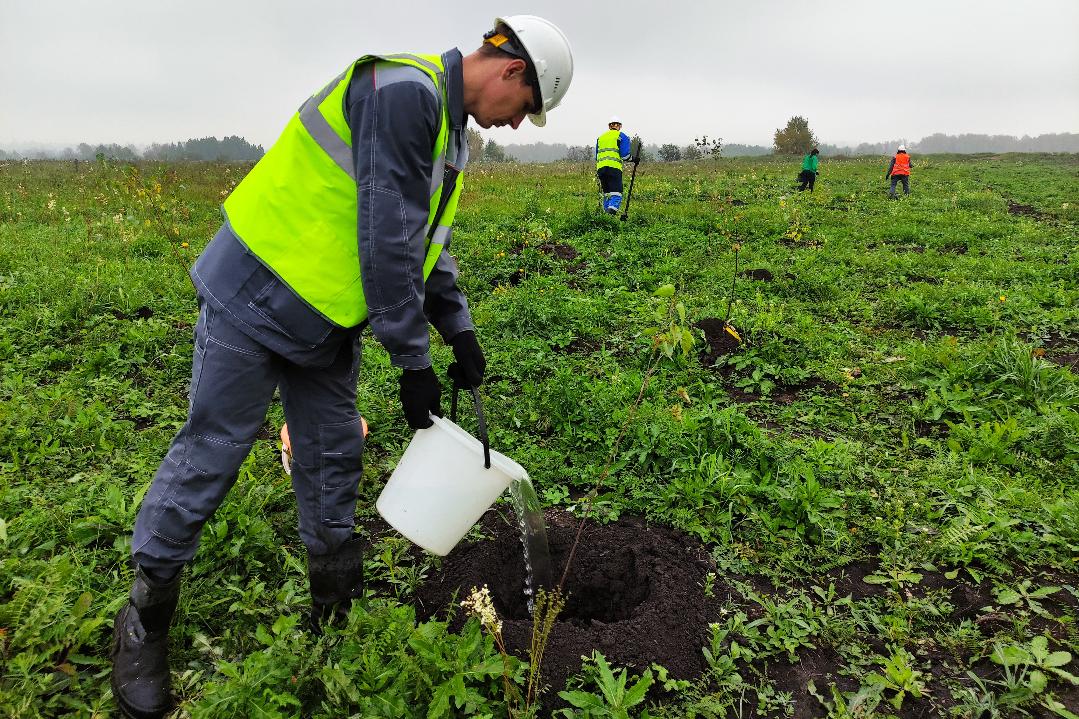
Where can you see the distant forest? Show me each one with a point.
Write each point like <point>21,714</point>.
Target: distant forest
<point>228,149</point>
<point>937,143</point>
<point>237,149</point>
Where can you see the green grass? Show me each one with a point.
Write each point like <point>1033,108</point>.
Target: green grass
<point>898,404</point>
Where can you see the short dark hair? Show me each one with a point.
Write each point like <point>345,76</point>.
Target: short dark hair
<point>490,50</point>
<point>510,48</point>
<point>815,151</point>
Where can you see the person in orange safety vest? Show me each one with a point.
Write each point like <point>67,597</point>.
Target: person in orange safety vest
<point>899,171</point>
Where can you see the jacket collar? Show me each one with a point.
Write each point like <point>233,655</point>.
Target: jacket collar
<point>455,87</point>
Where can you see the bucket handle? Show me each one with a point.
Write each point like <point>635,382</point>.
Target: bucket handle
<point>479,417</point>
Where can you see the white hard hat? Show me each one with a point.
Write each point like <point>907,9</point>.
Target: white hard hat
<point>614,119</point>
<point>902,148</point>
<point>549,51</point>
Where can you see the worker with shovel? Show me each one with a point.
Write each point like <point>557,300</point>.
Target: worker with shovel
<point>365,176</point>
<point>612,148</point>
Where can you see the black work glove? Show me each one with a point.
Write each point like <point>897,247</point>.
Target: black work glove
<point>421,395</point>
<point>469,362</point>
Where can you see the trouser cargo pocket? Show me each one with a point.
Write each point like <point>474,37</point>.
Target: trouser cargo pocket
<point>340,469</point>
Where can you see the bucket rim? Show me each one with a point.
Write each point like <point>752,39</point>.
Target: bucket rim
<point>507,466</point>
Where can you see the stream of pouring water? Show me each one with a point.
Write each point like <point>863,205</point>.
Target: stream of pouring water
<point>533,538</point>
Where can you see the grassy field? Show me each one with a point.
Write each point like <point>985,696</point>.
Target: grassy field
<point>884,473</point>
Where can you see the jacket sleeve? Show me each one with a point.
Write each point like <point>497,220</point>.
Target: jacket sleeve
<point>394,127</point>
<point>623,145</point>
<point>890,167</point>
<point>445,304</point>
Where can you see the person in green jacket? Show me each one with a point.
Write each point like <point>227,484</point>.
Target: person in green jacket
<point>808,175</point>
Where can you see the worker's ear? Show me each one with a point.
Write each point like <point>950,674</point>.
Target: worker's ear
<point>514,69</point>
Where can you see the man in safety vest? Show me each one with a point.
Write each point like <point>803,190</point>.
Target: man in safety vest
<point>612,149</point>
<point>343,224</point>
<point>899,171</point>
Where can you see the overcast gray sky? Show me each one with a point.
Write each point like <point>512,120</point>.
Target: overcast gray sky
<point>164,70</point>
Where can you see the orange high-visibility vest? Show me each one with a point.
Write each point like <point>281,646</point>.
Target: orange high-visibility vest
<point>902,164</point>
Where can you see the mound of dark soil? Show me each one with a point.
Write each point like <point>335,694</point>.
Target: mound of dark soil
<point>559,250</point>
<point>1015,208</point>
<point>759,275</point>
<point>720,342</point>
<point>635,593</point>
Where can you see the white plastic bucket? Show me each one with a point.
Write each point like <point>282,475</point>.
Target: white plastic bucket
<point>440,488</point>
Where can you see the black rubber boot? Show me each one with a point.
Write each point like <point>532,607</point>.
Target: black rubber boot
<point>336,579</point>
<point>140,648</point>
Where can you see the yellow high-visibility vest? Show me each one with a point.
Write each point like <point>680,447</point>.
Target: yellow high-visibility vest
<point>607,154</point>
<point>297,208</point>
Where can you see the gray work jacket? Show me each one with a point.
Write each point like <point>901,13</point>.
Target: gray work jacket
<point>393,112</point>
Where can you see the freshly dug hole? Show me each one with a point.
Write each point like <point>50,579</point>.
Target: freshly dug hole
<point>720,343</point>
<point>635,593</point>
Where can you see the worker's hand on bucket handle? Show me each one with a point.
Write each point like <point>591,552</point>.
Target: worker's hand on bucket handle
<point>469,362</point>
<point>421,396</point>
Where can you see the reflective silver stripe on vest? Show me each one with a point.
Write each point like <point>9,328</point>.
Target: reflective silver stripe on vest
<point>339,151</point>
<point>325,137</point>
<point>437,173</point>
<point>322,94</point>
<point>416,59</point>
<point>388,73</point>
<point>319,128</point>
<point>442,233</point>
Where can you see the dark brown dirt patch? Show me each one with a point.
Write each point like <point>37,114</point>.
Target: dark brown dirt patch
<point>788,394</point>
<point>1050,339</point>
<point>849,579</point>
<point>580,346</point>
<point>953,249</point>
<point>720,342</point>
<point>759,275</point>
<point>559,250</point>
<point>1071,361</point>
<point>635,594</point>
<point>924,278</point>
<point>1015,208</point>
<point>513,279</point>
<point>819,666</point>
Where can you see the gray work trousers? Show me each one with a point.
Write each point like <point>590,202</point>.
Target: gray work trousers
<point>905,179</point>
<point>233,379</point>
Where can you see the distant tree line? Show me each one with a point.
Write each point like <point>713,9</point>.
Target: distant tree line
<point>229,149</point>
<point>964,144</point>
<point>795,138</point>
<point>480,150</point>
<point>236,149</point>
